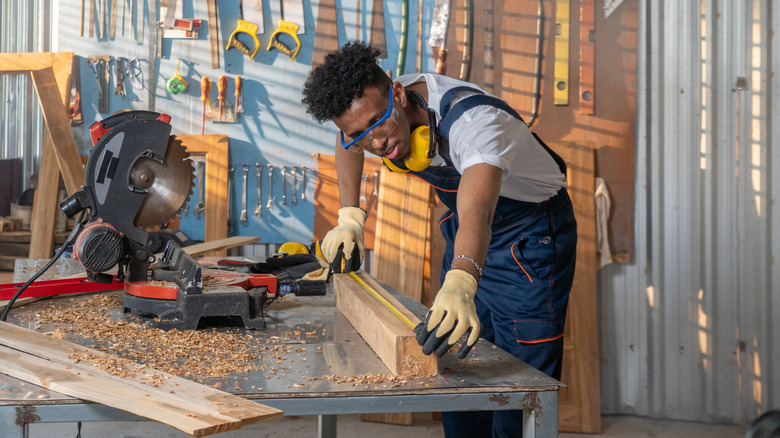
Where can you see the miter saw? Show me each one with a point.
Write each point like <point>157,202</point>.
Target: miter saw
<point>138,177</point>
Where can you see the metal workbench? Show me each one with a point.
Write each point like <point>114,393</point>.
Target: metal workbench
<point>489,379</point>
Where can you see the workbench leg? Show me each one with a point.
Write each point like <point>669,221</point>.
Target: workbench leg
<point>326,426</point>
<point>8,423</point>
<point>541,419</point>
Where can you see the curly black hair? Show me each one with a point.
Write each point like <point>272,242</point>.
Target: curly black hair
<point>340,79</point>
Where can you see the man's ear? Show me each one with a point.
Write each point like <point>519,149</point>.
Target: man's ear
<point>399,92</point>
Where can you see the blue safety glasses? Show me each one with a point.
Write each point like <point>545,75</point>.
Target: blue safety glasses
<point>379,130</point>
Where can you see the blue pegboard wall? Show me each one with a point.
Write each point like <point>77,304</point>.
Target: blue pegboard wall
<point>274,129</point>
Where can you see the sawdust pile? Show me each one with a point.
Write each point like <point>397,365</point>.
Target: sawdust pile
<point>191,354</point>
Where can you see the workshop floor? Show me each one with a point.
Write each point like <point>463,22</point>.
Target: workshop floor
<point>352,426</point>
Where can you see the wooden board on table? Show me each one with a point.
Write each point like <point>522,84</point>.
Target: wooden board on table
<point>580,400</point>
<point>193,408</point>
<point>402,233</point>
<point>390,337</point>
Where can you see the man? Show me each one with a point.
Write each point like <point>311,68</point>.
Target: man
<point>510,233</point>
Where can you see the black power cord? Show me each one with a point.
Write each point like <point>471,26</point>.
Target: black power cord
<point>69,241</point>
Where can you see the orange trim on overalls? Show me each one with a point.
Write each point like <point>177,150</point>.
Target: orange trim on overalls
<point>541,340</point>
<point>444,219</point>
<point>518,262</point>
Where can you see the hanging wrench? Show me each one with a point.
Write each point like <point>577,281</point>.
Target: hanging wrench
<point>303,184</point>
<point>231,168</point>
<point>243,220</point>
<point>295,185</point>
<point>364,178</point>
<point>376,184</point>
<point>201,191</point>
<point>270,205</point>
<point>259,209</point>
<point>284,185</point>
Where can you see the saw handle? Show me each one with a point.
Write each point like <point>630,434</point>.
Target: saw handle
<point>441,62</point>
<point>290,29</point>
<point>98,129</point>
<point>248,28</point>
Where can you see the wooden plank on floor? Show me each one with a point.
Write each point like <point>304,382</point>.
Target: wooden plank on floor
<point>390,337</point>
<point>193,408</point>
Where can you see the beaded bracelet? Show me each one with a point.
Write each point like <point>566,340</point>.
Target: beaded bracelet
<point>476,265</point>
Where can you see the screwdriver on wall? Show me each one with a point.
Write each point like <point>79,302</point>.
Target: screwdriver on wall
<point>205,97</point>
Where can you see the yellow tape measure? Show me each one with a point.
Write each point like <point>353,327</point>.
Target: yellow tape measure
<point>382,300</point>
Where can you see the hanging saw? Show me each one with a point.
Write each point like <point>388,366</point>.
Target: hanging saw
<point>290,27</point>
<point>244,28</point>
<point>438,37</point>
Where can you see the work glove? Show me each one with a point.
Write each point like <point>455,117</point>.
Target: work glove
<point>345,241</point>
<point>452,315</point>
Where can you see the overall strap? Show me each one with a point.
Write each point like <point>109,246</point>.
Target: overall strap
<point>450,115</point>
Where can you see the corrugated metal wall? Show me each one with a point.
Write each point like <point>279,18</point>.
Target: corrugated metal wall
<point>25,26</point>
<point>689,330</point>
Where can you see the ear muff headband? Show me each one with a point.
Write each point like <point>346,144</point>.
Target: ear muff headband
<point>422,143</point>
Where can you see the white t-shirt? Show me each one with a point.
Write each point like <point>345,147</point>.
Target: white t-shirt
<point>486,134</point>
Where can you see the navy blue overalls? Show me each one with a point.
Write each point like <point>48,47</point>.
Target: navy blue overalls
<point>522,297</point>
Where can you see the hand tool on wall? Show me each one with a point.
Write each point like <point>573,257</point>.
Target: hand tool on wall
<point>404,37</point>
<point>239,94</point>
<point>270,204</point>
<point>243,220</point>
<point>259,209</point>
<point>205,97</point>
<point>561,66</point>
<point>201,206</point>
<point>136,73</point>
<point>295,185</point>
<point>74,96</point>
<point>119,77</point>
<point>246,28</point>
<point>231,169</point>
<point>213,33</point>
<point>438,37</point>
<point>363,180</point>
<point>124,8</point>
<point>112,26</point>
<point>177,84</point>
<point>326,37</point>
<point>81,18</point>
<point>303,183</point>
<point>289,28</point>
<point>138,9</point>
<point>100,69</point>
<point>284,185</point>
<point>538,64</point>
<point>92,7</point>
<point>377,34</point>
<point>587,56</point>
<point>376,185</point>
<point>468,38</point>
<point>489,74</point>
<point>226,112</point>
<point>103,18</point>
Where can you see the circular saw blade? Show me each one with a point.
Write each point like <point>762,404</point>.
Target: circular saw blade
<point>168,185</point>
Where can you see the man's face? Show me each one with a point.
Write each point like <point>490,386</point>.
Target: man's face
<point>391,137</point>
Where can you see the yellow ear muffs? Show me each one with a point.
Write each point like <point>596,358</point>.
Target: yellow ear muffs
<point>421,141</point>
<point>420,157</point>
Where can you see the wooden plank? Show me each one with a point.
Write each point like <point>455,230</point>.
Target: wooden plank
<point>188,406</point>
<point>390,338</point>
<point>215,148</point>
<point>23,63</point>
<point>402,232</point>
<point>580,400</point>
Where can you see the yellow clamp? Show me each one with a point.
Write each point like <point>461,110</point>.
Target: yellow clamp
<point>290,29</point>
<point>249,29</point>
